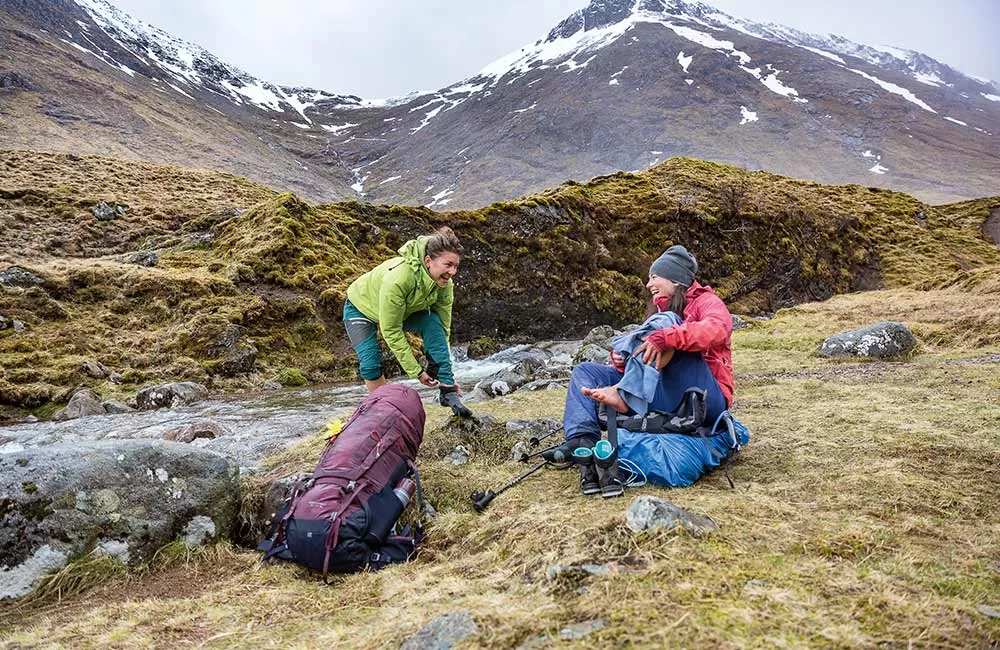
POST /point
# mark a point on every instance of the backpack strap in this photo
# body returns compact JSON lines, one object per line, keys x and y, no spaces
{"x":334,"y":535}
{"x":613,"y":428}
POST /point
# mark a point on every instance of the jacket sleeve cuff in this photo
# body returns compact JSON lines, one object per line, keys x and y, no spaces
{"x":658,"y":339}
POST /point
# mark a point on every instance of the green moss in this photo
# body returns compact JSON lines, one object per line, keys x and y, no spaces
{"x":483,"y":346}
{"x":292,"y":377}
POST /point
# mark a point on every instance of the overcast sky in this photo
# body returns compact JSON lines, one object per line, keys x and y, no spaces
{"x":385,"y":48}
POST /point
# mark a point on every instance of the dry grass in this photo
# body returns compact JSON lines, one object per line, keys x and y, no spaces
{"x":865,"y":515}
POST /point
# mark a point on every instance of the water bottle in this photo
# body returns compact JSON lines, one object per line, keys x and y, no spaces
{"x":404,"y":490}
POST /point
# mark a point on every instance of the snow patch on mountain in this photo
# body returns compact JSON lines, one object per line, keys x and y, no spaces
{"x":893,"y":88}
{"x":193,"y":66}
{"x":685,"y":61}
{"x":747,"y":115}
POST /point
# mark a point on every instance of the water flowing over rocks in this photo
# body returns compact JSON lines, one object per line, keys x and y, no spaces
{"x":106,"y":482}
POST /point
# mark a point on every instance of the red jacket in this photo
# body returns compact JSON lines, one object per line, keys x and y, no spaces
{"x":707,"y":328}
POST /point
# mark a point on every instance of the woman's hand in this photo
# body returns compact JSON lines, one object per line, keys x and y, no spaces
{"x":654,"y":356}
{"x":427,"y":380}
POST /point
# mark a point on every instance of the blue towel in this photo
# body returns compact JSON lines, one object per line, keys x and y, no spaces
{"x":638,"y":385}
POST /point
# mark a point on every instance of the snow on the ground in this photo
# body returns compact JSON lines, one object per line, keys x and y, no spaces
{"x":439,"y":198}
{"x":896,"y":90}
{"x":685,"y":61}
{"x":747,"y":115}
{"x":992,"y":98}
{"x":952,"y":119}
{"x":336,"y":130}
{"x":879,"y":169}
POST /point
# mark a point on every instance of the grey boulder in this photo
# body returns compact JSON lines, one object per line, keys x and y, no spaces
{"x":134,"y":496}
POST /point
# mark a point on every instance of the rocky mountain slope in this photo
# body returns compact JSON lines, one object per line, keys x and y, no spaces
{"x":620,"y":85}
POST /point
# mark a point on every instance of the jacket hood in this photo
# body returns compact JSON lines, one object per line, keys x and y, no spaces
{"x":413,"y":253}
{"x":696,"y":290}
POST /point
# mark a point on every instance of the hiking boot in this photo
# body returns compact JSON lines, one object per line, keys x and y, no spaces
{"x":589,"y":481}
{"x":450,"y":397}
{"x":606,"y":463}
{"x":564,"y":452}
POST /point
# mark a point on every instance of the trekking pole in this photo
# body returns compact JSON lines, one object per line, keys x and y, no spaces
{"x":480,"y":500}
{"x":524,"y":457}
{"x":534,"y":441}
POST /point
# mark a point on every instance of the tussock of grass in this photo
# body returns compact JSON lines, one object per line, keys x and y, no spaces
{"x":865,"y":515}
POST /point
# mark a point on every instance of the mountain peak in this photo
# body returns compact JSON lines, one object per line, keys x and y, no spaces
{"x":604,"y":13}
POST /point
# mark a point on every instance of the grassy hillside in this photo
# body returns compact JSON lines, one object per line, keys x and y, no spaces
{"x":230,"y":252}
{"x":865,"y":515}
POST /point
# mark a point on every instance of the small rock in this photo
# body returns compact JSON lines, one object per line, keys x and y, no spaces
{"x":519,"y":450}
{"x":987,"y":610}
{"x":557,"y":570}
{"x":580,"y":630}
{"x":648,"y":512}
{"x":19,"y":326}
{"x":115,"y":407}
{"x":107,"y":211}
{"x":428,"y":511}
{"x":114,"y":548}
{"x":20,"y":580}
{"x":190,"y":432}
{"x":600,"y":336}
{"x":443,"y":632}
{"x":532,"y":428}
{"x":199,"y":531}
{"x":594,"y":354}
{"x":19,"y":277}
{"x":169,"y":395}
{"x":270,"y":384}
{"x":83,"y":403}
{"x":115,"y":378}
{"x":740,"y":323}
{"x":460,"y":456}
{"x":95,"y":369}
{"x":141,"y":258}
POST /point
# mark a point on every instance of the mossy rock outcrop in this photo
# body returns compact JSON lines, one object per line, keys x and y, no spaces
{"x":234,"y":255}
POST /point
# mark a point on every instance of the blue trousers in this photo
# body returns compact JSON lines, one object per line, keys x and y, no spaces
{"x":363,"y":334}
{"x":685,"y":370}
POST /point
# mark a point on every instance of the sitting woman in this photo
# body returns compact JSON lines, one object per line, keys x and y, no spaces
{"x":685,"y":347}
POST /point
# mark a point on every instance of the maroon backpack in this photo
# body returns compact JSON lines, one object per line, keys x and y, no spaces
{"x":342,"y":519}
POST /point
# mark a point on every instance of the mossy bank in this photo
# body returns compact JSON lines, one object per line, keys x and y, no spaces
{"x":150,"y":270}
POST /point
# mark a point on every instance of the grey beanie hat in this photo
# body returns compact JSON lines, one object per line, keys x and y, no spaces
{"x":677,"y":265}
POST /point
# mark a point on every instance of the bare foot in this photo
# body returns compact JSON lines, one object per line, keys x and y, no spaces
{"x":608,"y":396}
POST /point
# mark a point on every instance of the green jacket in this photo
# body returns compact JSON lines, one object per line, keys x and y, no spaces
{"x":396,"y":288}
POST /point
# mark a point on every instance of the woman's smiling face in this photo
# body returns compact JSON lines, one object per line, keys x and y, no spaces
{"x":660,"y":287}
{"x":443,"y":267}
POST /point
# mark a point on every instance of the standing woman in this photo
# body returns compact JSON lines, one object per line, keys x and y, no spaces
{"x":410,"y":293}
